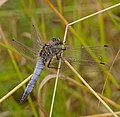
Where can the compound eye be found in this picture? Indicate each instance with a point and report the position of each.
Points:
(57, 39)
(54, 39)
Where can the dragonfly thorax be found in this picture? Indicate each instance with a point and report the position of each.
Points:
(51, 49)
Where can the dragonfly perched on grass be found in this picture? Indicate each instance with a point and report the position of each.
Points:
(45, 52)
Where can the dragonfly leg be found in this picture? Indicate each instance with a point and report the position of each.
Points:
(58, 56)
(48, 65)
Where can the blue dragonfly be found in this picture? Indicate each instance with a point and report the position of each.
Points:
(46, 52)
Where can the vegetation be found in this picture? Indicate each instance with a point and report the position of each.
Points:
(73, 97)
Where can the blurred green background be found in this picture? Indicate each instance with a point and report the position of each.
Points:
(72, 98)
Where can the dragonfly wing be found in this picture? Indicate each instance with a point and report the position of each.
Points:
(81, 57)
(27, 52)
(81, 53)
(36, 38)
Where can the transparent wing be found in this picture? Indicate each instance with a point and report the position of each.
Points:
(28, 52)
(36, 38)
(80, 53)
(79, 56)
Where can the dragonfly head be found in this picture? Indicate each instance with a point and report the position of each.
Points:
(57, 40)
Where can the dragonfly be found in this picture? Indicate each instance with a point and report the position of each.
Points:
(45, 53)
